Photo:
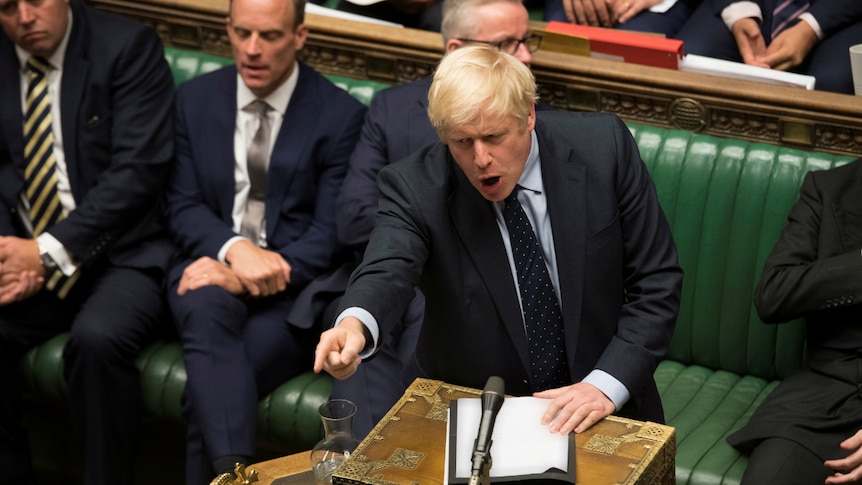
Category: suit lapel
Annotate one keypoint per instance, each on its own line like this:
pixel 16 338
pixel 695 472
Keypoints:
pixel 220 160
pixel 564 180
pixel 297 127
pixel 473 217
pixel 75 69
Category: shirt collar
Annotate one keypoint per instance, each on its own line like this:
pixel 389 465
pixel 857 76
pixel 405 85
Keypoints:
pixel 56 59
pixel 277 100
pixel 531 177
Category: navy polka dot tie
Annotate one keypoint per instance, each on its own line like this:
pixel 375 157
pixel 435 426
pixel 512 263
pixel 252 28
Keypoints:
pixel 542 316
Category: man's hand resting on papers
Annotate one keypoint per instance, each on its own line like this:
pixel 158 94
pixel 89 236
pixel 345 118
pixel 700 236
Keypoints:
pixel 750 41
pixel 790 47
pixel 787 50
pixel 575 407
pixel 338 350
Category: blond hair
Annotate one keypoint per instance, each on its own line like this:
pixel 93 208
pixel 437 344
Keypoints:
pixel 477 82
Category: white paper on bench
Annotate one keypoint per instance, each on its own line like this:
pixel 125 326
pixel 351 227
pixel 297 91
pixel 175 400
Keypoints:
pixel 738 70
pixel 521 444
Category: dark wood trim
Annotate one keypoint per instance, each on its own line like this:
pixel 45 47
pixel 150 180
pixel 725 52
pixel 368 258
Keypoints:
pixel 813 120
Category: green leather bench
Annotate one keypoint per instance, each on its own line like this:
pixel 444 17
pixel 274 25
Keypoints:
pixel 726 200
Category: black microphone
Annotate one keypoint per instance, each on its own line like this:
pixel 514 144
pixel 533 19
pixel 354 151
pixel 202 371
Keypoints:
pixel 492 400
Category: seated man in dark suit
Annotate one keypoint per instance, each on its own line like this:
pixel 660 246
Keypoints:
pixel 262 150
pixel 578 310
pixel 86 141
pixel 806 36
pixel 809 429
pixel 397 125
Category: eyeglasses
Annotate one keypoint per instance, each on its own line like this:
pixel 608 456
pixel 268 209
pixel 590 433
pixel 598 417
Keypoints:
pixel 510 46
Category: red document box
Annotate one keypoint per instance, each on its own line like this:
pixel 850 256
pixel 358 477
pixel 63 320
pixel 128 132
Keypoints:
pixel 626 46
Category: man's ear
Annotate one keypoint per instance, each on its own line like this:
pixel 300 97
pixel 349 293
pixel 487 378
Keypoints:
pixel 453 44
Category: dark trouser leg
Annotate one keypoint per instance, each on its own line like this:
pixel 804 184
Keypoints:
pixel 779 460
pixel 235 351
pixel 117 319
pixel 22 326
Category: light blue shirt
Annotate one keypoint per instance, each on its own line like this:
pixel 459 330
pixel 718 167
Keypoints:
pixel 534 202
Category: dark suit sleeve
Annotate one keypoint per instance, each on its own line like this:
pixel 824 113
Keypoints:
pixel 124 152
pixel 835 15
pixel 797 278
pixel 385 282
pixel 192 222
pixel 356 205
pixel 652 277
pixel 312 252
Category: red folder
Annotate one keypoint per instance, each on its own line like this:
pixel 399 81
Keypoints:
pixel 631 47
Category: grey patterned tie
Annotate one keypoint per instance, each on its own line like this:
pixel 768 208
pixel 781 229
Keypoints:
pixel 257 162
pixel 542 316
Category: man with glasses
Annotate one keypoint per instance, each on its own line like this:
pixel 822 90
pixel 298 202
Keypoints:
pixel 397 125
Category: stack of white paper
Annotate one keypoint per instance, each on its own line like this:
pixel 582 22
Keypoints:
pixel 738 70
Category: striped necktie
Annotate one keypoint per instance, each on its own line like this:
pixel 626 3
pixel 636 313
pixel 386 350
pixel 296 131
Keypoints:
pixel 40 171
pixel 543 319
pixel 785 13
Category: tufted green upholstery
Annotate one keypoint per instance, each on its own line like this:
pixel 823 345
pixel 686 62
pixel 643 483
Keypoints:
pixel 726 200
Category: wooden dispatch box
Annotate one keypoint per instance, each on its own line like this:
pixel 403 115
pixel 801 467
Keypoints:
pixel 408 445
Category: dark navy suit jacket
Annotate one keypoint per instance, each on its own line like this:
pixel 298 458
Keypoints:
pixel 110 96
pixel 617 262
pixel 306 170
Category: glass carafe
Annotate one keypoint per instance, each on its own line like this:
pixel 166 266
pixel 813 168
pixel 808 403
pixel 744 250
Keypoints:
pixel 338 442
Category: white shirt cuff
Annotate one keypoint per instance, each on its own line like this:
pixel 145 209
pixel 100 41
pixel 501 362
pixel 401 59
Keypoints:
pixel 65 261
pixel 222 253
pixel 740 10
pixel 815 25
pixel 663 6
pixel 370 323
pixel 610 386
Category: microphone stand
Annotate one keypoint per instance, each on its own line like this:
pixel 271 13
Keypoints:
pixel 483 477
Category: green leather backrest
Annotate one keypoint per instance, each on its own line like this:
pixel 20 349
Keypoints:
pixel 727 201
pixel 186 64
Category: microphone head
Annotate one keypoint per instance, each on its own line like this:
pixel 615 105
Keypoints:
pixel 495 385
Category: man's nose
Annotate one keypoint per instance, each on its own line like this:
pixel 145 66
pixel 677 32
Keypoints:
pixel 523 54
pixel 26 13
pixel 482 155
pixel 252 47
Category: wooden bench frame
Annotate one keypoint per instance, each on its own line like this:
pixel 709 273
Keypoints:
pixel 748 110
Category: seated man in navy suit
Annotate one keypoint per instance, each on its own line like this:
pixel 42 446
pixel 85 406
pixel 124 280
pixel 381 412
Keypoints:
pixel 262 150
pixel 86 142
pixel 397 125
pixel 806 36
pixel 538 242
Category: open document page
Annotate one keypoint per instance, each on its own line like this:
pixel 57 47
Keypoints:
pixel 522 448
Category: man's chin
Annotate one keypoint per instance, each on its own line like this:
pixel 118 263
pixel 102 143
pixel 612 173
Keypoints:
pixel 256 84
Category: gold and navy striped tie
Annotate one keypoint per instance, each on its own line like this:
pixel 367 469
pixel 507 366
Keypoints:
pixel 40 175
